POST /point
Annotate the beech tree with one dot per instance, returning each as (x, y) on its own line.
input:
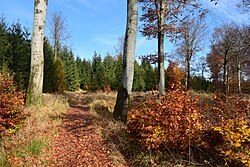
(35, 88)
(223, 44)
(191, 42)
(229, 56)
(123, 96)
(161, 19)
(240, 53)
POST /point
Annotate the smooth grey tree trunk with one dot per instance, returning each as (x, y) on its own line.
(239, 76)
(123, 96)
(188, 72)
(34, 92)
(225, 72)
(161, 70)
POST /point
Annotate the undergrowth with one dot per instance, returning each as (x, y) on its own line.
(177, 130)
(31, 144)
(12, 111)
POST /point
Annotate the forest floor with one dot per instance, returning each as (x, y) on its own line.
(78, 142)
(72, 130)
(77, 130)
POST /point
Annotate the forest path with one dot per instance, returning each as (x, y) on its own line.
(78, 143)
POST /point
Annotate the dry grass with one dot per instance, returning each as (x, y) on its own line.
(114, 133)
(30, 146)
(204, 97)
(122, 150)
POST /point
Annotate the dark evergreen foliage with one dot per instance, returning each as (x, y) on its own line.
(200, 84)
(118, 73)
(15, 46)
(3, 42)
(109, 65)
(71, 71)
(97, 75)
(149, 76)
(68, 73)
(49, 68)
(59, 76)
(139, 73)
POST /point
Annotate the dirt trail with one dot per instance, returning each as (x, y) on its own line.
(78, 143)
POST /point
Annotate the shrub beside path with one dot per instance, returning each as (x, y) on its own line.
(78, 142)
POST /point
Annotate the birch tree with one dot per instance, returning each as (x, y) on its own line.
(123, 96)
(34, 92)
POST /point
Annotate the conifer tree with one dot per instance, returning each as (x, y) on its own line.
(3, 42)
(49, 68)
(109, 66)
(118, 73)
(19, 46)
(97, 76)
(59, 76)
(86, 74)
(149, 78)
(71, 71)
(138, 83)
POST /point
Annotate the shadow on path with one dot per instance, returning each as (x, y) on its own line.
(78, 142)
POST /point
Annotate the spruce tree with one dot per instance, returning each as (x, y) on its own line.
(138, 83)
(118, 72)
(3, 43)
(59, 76)
(49, 67)
(109, 66)
(71, 71)
(86, 74)
(19, 46)
(149, 78)
(97, 76)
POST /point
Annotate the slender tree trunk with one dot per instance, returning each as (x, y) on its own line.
(123, 96)
(34, 92)
(227, 83)
(188, 74)
(56, 51)
(225, 78)
(239, 77)
(161, 71)
(225, 73)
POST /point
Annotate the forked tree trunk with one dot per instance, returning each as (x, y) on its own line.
(161, 71)
(34, 92)
(123, 96)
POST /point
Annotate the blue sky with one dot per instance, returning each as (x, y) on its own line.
(96, 25)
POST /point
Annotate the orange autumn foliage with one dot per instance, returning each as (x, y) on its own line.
(11, 104)
(172, 121)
